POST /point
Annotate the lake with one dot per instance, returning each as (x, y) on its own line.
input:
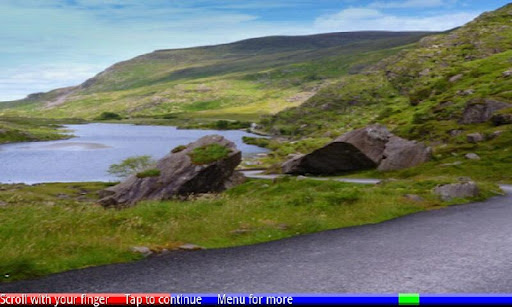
(95, 147)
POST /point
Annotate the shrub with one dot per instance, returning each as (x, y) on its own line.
(153, 172)
(260, 142)
(208, 154)
(417, 96)
(131, 165)
(222, 124)
(109, 116)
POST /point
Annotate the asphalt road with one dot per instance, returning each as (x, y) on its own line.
(458, 249)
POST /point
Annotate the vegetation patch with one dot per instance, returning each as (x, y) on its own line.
(149, 173)
(178, 148)
(131, 165)
(209, 154)
(109, 116)
(51, 228)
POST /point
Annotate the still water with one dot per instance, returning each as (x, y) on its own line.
(87, 156)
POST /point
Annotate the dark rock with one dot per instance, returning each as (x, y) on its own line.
(179, 176)
(475, 137)
(448, 192)
(479, 111)
(501, 119)
(355, 150)
(370, 147)
(401, 153)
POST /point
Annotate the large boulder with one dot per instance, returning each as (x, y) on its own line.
(366, 148)
(481, 110)
(185, 171)
(401, 153)
(355, 150)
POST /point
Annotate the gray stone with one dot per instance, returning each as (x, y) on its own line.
(472, 156)
(190, 247)
(401, 153)
(448, 192)
(455, 132)
(179, 176)
(507, 73)
(370, 147)
(495, 134)
(481, 110)
(142, 250)
(3, 203)
(456, 78)
(475, 137)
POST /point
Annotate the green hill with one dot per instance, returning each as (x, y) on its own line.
(242, 80)
(425, 93)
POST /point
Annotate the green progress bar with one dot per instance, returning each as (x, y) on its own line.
(408, 299)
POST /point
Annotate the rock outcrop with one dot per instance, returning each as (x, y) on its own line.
(355, 150)
(401, 153)
(448, 192)
(370, 147)
(481, 110)
(177, 174)
(475, 138)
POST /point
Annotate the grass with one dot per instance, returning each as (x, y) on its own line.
(20, 129)
(50, 228)
(239, 81)
(149, 173)
(208, 154)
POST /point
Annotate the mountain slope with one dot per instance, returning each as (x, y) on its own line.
(239, 80)
(425, 93)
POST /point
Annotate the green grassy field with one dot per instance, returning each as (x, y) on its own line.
(419, 94)
(50, 228)
(19, 129)
(239, 81)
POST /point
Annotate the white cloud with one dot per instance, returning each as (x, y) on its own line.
(18, 82)
(364, 19)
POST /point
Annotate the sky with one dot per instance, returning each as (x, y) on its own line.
(47, 44)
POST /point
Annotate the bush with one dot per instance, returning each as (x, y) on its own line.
(222, 124)
(178, 148)
(153, 172)
(260, 142)
(208, 154)
(417, 96)
(130, 166)
(110, 116)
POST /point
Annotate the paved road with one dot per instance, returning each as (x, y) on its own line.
(457, 249)
(259, 175)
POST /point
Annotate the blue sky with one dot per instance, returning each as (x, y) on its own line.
(48, 44)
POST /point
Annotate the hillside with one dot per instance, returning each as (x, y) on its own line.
(242, 80)
(426, 93)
